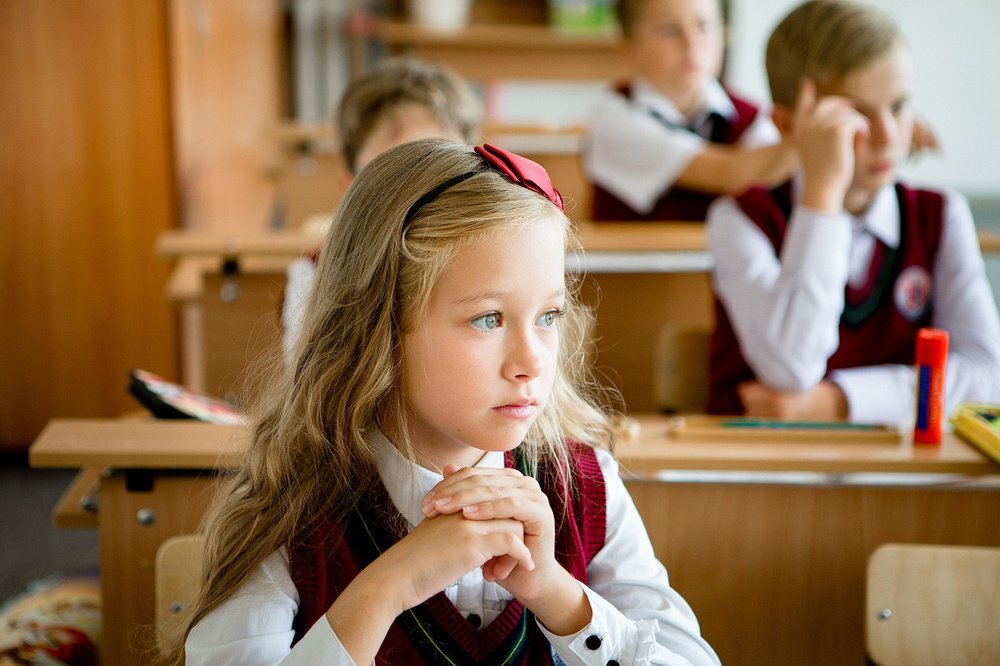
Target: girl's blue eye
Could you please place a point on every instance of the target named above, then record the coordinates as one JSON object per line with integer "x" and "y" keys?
{"x": 487, "y": 322}
{"x": 549, "y": 319}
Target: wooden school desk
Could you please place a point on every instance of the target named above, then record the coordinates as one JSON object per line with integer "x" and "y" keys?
{"x": 766, "y": 541}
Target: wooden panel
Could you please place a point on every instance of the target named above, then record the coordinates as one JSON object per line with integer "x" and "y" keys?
{"x": 529, "y": 51}
{"x": 78, "y": 505}
{"x": 87, "y": 187}
{"x": 240, "y": 336}
{"x": 128, "y": 553}
{"x": 933, "y": 605}
{"x": 776, "y": 574}
{"x": 227, "y": 95}
{"x": 631, "y": 309}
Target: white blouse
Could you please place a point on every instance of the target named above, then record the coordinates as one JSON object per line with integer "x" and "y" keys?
{"x": 638, "y": 617}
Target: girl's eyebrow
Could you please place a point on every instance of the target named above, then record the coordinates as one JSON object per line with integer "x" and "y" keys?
{"x": 498, "y": 295}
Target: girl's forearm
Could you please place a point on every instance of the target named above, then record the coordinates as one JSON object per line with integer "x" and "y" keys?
{"x": 564, "y": 608}
{"x": 363, "y": 613}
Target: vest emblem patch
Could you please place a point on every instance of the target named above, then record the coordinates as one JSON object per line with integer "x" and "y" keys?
{"x": 912, "y": 292}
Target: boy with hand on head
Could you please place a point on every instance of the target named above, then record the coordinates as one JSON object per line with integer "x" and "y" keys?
{"x": 664, "y": 145}
{"x": 822, "y": 282}
{"x": 401, "y": 100}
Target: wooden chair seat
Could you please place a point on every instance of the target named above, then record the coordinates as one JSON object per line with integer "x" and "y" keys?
{"x": 935, "y": 605}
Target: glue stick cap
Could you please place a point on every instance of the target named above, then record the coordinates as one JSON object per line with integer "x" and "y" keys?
{"x": 932, "y": 346}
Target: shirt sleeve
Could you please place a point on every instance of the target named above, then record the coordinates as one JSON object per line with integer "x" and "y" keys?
{"x": 785, "y": 310}
{"x": 254, "y": 626}
{"x": 964, "y": 306}
{"x": 632, "y": 155}
{"x": 637, "y": 617}
{"x": 300, "y": 275}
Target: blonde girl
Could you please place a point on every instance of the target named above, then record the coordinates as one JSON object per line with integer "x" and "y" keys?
{"x": 425, "y": 484}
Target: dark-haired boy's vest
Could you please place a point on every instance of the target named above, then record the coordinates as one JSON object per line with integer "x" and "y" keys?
{"x": 677, "y": 203}
{"x": 880, "y": 319}
{"x": 328, "y": 557}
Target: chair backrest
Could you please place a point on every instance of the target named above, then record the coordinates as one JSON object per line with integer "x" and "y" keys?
{"x": 680, "y": 368}
{"x": 178, "y": 578}
{"x": 935, "y": 605}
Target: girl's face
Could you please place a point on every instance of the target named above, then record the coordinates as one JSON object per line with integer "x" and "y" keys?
{"x": 676, "y": 45}
{"x": 478, "y": 367}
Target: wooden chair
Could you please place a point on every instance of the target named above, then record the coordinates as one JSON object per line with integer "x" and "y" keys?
{"x": 935, "y": 605}
{"x": 178, "y": 577}
{"x": 681, "y": 368}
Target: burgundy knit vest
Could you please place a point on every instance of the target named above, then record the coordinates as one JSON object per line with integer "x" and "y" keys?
{"x": 873, "y": 329}
{"x": 677, "y": 203}
{"x": 327, "y": 557}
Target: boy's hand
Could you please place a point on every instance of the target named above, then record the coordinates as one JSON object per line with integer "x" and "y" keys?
{"x": 823, "y": 402}
{"x": 827, "y": 131}
{"x": 924, "y": 137}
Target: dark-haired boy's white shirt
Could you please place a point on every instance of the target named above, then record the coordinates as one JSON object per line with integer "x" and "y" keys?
{"x": 786, "y": 310}
{"x": 638, "y": 616}
{"x": 637, "y": 148}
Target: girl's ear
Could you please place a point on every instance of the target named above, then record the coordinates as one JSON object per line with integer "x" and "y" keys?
{"x": 782, "y": 117}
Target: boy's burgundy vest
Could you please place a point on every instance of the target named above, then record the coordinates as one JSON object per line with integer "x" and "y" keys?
{"x": 872, "y": 329}
{"x": 328, "y": 556}
{"x": 677, "y": 203}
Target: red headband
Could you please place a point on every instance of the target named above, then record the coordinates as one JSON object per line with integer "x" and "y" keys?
{"x": 522, "y": 171}
{"x": 517, "y": 169}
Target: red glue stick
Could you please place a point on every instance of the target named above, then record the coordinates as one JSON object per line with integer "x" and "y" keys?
{"x": 932, "y": 354}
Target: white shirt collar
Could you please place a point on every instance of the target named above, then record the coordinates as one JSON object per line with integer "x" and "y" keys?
{"x": 407, "y": 482}
{"x": 714, "y": 100}
{"x": 881, "y": 219}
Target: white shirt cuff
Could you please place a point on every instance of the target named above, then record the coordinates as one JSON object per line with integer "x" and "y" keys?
{"x": 610, "y": 636}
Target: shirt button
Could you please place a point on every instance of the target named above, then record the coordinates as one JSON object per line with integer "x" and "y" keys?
{"x": 593, "y": 641}
{"x": 474, "y": 620}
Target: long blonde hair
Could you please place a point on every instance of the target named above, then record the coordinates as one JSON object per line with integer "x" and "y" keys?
{"x": 308, "y": 453}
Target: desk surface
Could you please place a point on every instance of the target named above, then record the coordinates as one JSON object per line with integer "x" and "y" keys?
{"x": 594, "y": 237}
{"x": 192, "y": 445}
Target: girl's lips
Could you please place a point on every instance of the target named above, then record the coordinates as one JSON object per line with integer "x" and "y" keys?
{"x": 517, "y": 410}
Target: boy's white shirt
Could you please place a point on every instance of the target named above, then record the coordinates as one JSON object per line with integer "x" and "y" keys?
{"x": 638, "y": 616}
{"x": 786, "y": 310}
{"x": 300, "y": 274}
{"x": 637, "y": 157}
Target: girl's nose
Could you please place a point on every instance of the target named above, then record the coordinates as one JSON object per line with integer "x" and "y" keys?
{"x": 524, "y": 358}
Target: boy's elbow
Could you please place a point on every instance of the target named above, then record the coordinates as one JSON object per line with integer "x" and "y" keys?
{"x": 782, "y": 375}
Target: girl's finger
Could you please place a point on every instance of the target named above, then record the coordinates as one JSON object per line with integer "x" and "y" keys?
{"x": 481, "y": 494}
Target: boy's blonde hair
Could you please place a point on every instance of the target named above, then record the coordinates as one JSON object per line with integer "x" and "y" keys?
{"x": 308, "y": 453}
{"x": 826, "y": 40}
{"x": 405, "y": 80}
